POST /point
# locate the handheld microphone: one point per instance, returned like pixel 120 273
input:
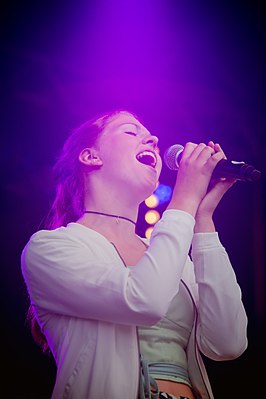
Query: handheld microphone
pixel 224 168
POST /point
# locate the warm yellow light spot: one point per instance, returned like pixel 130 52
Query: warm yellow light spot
pixel 152 217
pixel 152 201
pixel 148 232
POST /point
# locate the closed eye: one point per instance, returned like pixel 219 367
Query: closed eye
pixel 131 133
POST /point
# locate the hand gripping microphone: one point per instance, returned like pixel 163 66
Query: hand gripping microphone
pixel 224 168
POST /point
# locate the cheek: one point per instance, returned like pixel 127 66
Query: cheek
pixel 159 165
pixel 117 157
pixel 113 147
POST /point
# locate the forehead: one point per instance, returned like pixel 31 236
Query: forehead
pixel 120 121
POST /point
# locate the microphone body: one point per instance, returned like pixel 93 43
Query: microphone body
pixel 224 168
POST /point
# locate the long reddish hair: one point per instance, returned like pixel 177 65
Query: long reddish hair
pixel 69 199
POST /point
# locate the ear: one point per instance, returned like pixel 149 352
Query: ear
pixel 90 157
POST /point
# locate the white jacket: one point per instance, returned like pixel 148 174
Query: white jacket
pixel 89 304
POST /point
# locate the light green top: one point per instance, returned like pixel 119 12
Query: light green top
pixel 163 346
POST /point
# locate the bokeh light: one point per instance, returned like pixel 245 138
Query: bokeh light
pixel 152 201
pixel 152 216
pixel 148 232
pixel 163 192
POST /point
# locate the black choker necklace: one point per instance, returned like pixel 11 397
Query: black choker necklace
pixel 112 216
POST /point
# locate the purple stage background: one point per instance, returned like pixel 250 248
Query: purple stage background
pixel 192 71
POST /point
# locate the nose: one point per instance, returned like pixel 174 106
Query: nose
pixel 153 140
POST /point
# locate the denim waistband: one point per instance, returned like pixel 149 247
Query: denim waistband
pixel 162 369
pixel 170 370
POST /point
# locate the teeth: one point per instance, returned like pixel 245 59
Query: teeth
pixel 147 157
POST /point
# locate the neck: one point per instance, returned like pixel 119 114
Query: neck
pixel 117 217
pixel 113 199
pixel 100 197
pixel 109 225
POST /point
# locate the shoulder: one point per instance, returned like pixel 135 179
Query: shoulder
pixel 65 248
pixel 63 240
pixel 71 232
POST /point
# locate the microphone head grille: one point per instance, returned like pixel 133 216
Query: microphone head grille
pixel 171 156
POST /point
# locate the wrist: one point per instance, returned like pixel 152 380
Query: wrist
pixel 182 204
pixel 185 200
pixel 204 224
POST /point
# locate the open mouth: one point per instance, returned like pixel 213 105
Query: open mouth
pixel 147 158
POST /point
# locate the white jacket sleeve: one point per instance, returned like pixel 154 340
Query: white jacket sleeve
pixel 222 320
pixel 64 276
